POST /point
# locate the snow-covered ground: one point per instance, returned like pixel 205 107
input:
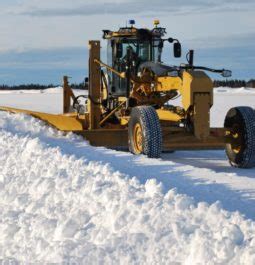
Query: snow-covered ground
pixel 62 200
pixel 50 100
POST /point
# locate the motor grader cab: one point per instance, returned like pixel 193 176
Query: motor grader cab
pixel 129 101
pixel 134 49
pixel 131 47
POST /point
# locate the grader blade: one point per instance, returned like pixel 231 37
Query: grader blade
pixel 63 122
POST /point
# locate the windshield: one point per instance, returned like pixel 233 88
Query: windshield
pixel 142 51
pixel 145 50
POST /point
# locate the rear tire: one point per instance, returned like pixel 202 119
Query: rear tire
pixel 144 132
pixel 241 149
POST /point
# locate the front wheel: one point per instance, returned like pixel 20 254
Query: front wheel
pixel 241 148
pixel 144 132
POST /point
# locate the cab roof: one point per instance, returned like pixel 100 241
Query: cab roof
pixel 132 32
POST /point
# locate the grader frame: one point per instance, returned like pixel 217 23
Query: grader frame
pixel 196 89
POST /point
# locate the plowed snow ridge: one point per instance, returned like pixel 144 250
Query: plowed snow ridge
pixel 61 207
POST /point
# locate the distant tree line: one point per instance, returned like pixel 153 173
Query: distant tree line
pixel 217 83
pixel 25 87
pixel 78 86
pixel 234 83
pixel 37 86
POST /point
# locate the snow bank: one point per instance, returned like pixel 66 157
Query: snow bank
pixel 54 90
pixel 239 90
pixel 47 100
pixel 32 91
pixel 57 208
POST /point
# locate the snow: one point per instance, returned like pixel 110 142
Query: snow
pixel 64 201
pixel 55 90
pixel 47 100
pixel 234 91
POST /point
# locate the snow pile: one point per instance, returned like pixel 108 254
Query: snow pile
pixel 53 90
pixel 32 91
pixel 58 90
pixel 47 100
pixel 58 208
pixel 239 90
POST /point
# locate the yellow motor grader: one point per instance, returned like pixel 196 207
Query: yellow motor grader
pixel 129 101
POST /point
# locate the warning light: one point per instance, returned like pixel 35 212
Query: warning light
pixel 156 22
pixel 132 22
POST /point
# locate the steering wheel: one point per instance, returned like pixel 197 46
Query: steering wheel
pixel 134 60
pixel 76 101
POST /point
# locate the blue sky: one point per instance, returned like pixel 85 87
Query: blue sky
pixel 43 40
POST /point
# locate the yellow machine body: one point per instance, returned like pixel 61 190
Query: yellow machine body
pixel 62 122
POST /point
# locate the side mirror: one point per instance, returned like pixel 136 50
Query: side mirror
pixel 226 73
pixel 118 50
pixel 177 50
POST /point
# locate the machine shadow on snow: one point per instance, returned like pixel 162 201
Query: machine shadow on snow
pixel 213 160
pixel 169 171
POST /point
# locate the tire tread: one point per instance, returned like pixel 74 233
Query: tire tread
pixel 148 117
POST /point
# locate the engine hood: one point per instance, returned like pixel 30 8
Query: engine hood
pixel 158 69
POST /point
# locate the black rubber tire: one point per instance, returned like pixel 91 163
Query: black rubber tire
pixel 244 117
pixel 147 117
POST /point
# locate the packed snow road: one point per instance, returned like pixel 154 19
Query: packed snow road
pixel 62 200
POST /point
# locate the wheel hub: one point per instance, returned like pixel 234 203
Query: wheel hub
pixel 138 138
pixel 237 139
